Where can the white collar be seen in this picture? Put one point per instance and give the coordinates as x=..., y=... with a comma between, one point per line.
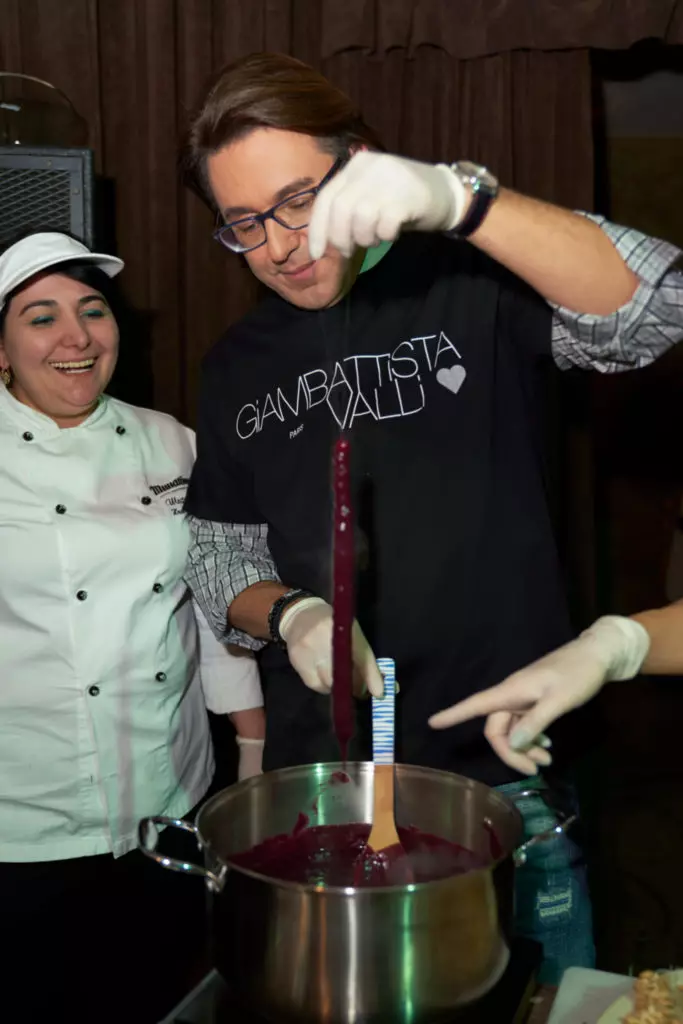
x=24, y=419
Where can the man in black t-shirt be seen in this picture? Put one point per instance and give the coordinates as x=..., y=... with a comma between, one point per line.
x=414, y=307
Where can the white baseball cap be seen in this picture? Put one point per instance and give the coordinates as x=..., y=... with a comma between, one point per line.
x=46, y=249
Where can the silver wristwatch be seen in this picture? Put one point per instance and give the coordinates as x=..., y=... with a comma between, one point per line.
x=484, y=188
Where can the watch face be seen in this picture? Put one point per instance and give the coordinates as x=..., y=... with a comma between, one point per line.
x=474, y=170
x=477, y=174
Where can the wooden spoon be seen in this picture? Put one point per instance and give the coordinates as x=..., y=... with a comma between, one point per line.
x=384, y=833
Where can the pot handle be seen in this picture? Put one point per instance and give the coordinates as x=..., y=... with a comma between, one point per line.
x=148, y=837
x=564, y=822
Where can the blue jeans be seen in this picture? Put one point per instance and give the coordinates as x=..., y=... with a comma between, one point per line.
x=552, y=902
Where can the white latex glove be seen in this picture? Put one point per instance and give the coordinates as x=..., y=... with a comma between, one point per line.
x=306, y=628
x=251, y=757
x=527, y=702
x=377, y=195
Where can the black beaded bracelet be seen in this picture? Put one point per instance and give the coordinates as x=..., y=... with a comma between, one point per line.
x=278, y=607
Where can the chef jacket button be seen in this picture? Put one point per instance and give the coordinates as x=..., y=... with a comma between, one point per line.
x=160, y=677
x=82, y=595
x=146, y=500
x=120, y=431
x=27, y=435
x=157, y=588
x=60, y=509
x=94, y=691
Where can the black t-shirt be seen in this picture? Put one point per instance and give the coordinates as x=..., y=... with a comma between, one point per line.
x=432, y=366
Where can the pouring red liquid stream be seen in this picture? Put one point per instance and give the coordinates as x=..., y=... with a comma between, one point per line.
x=342, y=602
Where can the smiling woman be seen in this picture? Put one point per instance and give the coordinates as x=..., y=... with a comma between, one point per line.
x=58, y=333
x=107, y=667
x=60, y=341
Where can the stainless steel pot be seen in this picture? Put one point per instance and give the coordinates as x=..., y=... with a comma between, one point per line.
x=404, y=954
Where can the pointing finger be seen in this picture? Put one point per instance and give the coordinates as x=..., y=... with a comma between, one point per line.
x=498, y=698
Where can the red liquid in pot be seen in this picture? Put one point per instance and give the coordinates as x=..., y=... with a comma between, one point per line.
x=337, y=855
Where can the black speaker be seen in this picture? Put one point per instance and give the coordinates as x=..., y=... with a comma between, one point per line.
x=46, y=187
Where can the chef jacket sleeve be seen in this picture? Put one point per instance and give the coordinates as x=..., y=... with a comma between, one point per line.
x=230, y=682
x=643, y=329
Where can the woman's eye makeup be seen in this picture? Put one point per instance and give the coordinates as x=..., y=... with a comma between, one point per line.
x=94, y=312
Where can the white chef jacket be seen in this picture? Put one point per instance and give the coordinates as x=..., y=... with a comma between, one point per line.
x=104, y=677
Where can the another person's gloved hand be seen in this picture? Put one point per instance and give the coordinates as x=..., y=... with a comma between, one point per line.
x=527, y=702
x=251, y=757
x=306, y=628
x=377, y=195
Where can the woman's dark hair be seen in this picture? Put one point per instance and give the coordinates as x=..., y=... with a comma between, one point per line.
x=269, y=90
x=77, y=270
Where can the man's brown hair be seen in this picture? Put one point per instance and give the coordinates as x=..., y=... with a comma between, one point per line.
x=269, y=90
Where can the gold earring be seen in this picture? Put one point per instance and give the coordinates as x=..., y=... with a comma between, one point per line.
x=6, y=376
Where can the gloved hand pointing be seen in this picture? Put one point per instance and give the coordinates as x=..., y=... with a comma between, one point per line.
x=306, y=628
x=527, y=702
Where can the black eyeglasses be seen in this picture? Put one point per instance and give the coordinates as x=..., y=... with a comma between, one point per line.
x=249, y=233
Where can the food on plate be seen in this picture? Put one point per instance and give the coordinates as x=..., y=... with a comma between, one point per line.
x=655, y=1001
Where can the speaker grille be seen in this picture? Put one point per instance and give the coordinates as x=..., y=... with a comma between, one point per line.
x=45, y=188
x=34, y=198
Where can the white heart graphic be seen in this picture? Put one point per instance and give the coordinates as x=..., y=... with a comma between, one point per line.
x=452, y=377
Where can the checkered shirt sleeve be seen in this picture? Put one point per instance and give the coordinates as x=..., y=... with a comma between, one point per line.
x=642, y=330
x=224, y=559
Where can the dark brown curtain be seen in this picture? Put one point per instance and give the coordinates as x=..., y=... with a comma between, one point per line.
x=475, y=28
x=504, y=82
x=134, y=68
